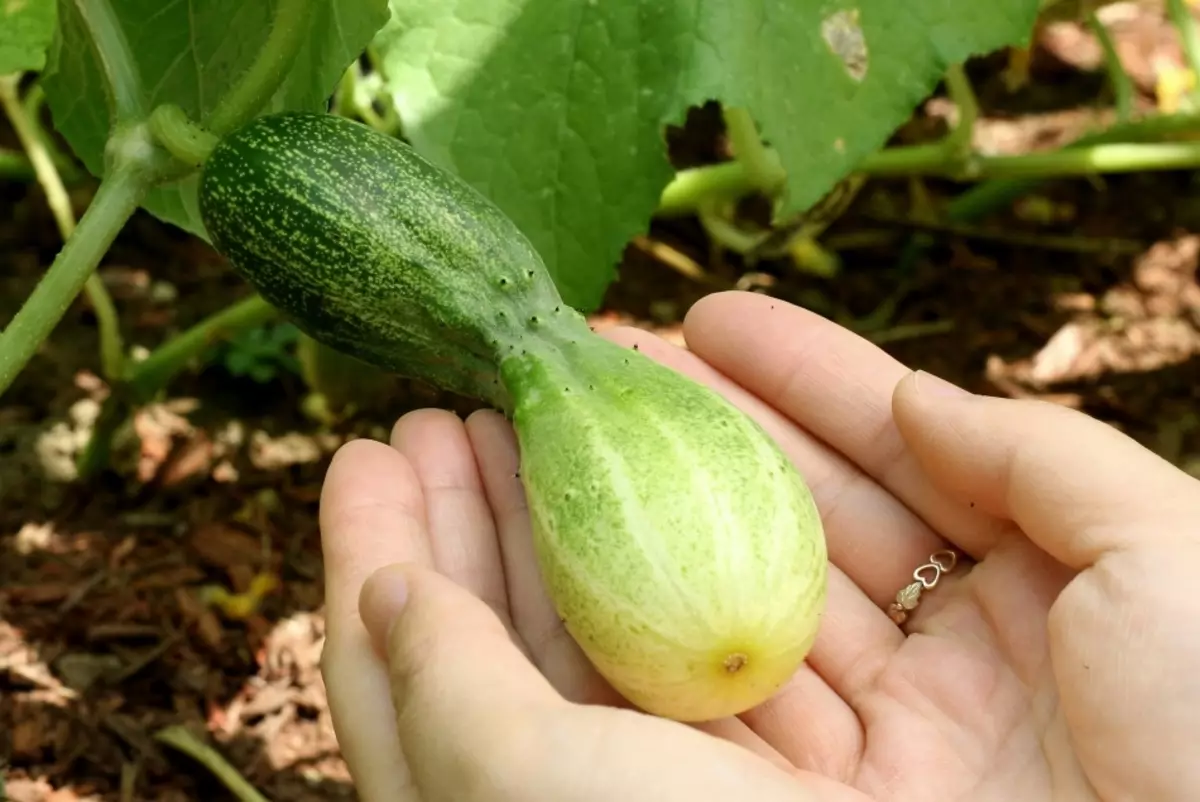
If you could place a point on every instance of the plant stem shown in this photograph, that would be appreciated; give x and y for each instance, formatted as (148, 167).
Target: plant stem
(728, 180)
(116, 59)
(153, 373)
(111, 349)
(257, 86)
(725, 233)
(1182, 18)
(184, 139)
(15, 166)
(958, 142)
(1122, 84)
(1072, 161)
(690, 187)
(761, 164)
(115, 201)
(35, 99)
(182, 739)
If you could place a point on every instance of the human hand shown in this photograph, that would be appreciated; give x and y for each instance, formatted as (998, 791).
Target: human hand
(1060, 665)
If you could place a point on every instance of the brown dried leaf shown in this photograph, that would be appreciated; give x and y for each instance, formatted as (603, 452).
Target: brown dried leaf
(224, 546)
(1057, 358)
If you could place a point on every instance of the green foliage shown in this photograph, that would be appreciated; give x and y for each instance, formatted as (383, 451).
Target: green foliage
(26, 28)
(555, 108)
(188, 54)
(261, 352)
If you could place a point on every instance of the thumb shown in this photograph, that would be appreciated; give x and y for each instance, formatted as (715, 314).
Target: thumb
(462, 690)
(1076, 486)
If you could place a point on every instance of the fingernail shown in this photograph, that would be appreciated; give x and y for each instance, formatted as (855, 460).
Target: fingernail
(381, 602)
(932, 385)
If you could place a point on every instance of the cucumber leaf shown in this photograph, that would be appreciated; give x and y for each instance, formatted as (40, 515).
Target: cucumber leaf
(187, 52)
(555, 109)
(26, 28)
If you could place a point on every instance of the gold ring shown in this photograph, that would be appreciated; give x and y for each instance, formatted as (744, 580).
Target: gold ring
(925, 578)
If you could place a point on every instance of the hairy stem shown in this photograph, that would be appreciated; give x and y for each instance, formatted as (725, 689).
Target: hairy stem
(257, 86)
(185, 140)
(116, 59)
(116, 199)
(1122, 84)
(111, 349)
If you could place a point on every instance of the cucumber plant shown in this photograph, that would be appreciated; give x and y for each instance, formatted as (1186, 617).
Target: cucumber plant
(467, 258)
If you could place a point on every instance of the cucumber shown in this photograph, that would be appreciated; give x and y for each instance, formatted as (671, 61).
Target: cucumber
(680, 546)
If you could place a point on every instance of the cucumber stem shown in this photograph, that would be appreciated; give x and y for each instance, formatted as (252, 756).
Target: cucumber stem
(154, 372)
(111, 348)
(1073, 161)
(116, 59)
(762, 165)
(115, 201)
(729, 180)
(266, 74)
(958, 142)
(185, 140)
(191, 143)
(695, 186)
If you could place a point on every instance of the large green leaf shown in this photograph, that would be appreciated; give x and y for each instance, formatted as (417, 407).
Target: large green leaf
(26, 28)
(188, 52)
(555, 108)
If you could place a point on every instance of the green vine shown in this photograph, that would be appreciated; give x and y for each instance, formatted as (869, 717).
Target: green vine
(1122, 148)
(122, 79)
(115, 201)
(761, 165)
(185, 140)
(255, 88)
(143, 150)
(32, 139)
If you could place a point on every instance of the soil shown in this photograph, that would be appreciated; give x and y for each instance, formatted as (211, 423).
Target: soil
(1084, 294)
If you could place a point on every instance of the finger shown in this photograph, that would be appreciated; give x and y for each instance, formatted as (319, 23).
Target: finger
(836, 385)
(462, 533)
(536, 621)
(813, 720)
(870, 535)
(1077, 487)
(480, 723)
(463, 693)
(372, 514)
